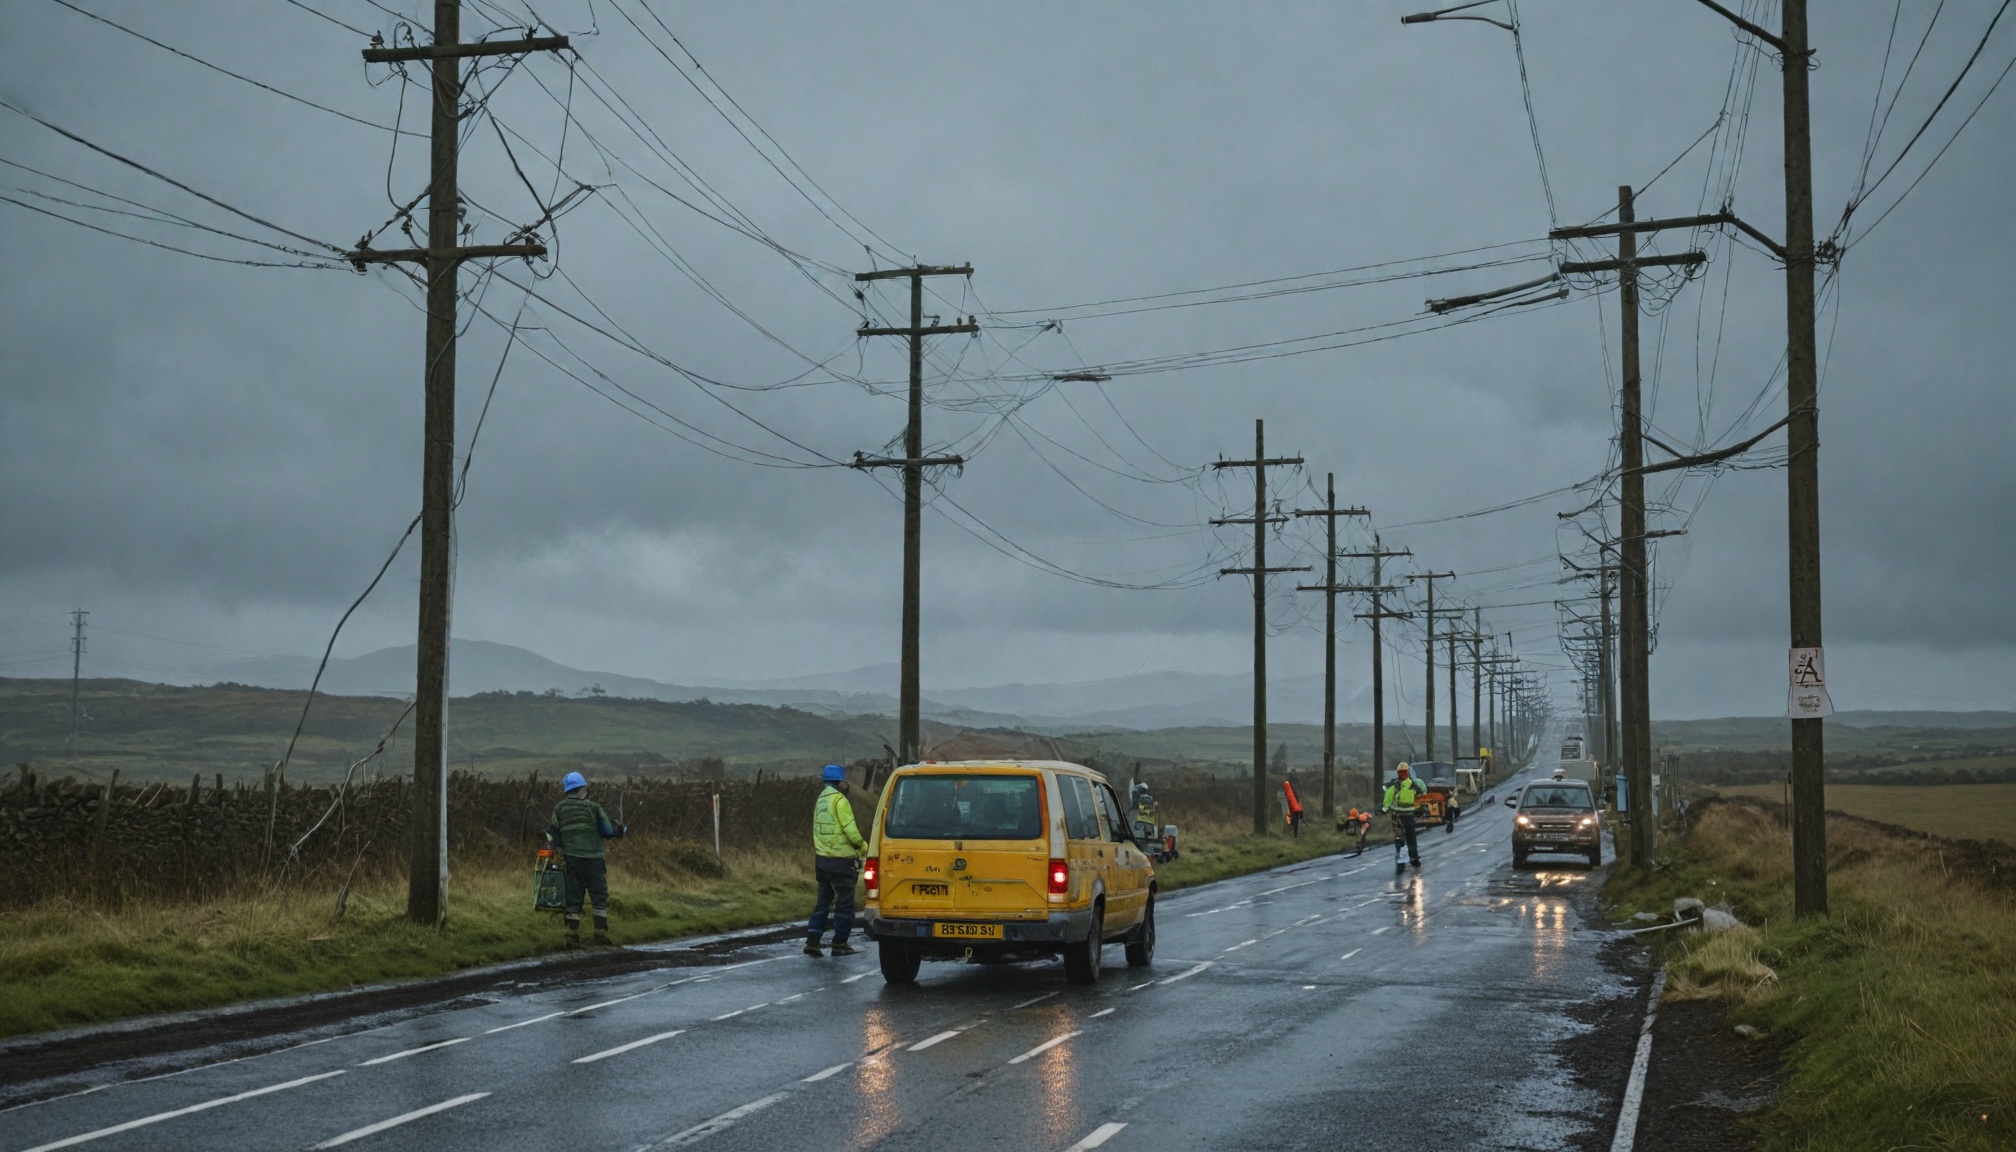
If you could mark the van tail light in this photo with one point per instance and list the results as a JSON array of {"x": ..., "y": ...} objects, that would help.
[
  {"x": 871, "y": 875},
  {"x": 1060, "y": 877}
]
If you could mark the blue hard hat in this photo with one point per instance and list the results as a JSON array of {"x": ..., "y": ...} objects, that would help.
[
  {"x": 572, "y": 781},
  {"x": 833, "y": 774}
]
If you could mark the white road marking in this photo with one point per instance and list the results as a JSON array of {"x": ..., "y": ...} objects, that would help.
[
  {"x": 412, "y": 1052},
  {"x": 523, "y": 1023},
  {"x": 940, "y": 1038},
  {"x": 860, "y": 976},
  {"x": 607, "y": 1003},
  {"x": 622, "y": 1048},
  {"x": 754, "y": 1007},
  {"x": 730, "y": 1015},
  {"x": 1033, "y": 1000},
  {"x": 726, "y": 1119},
  {"x": 827, "y": 1073},
  {"x": 1382, "y": 931},
  {"x": 1241, "y": 944},
  {"x": 1351, "y": 953},
  {"x": 129, "y": 1125},
  {"x": 1138, "y": 987},
  {"x": 1206, "y": 912},
  {"x": 1102, "y": 1012},
  {"x": 1308, "y": 987},
  {"x": 394, "y": 1122},
  {"x": 1634, "y": 1088},
  {"x": 1186, "y": 975},
  {"x": 1039, "y": 1049},
  {"x": 1098, "y": 1136}
]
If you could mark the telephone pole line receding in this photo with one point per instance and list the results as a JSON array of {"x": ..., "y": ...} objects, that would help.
[
  {"x": 77, "y": 619},
  {"x": 1330, "y": 512},
  {"x": 1259, "y": 571},
  {"x": 1378, "y": 613},
  {"x": 1428, "y": 647},
  {"x": 427, "y": 889},
  {"x": 913, "y": 462}
]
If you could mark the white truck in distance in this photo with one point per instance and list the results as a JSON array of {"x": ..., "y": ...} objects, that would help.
[{"x": 1576, "y": 765}]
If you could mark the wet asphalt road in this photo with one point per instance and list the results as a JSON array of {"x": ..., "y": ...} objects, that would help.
[{"x": 1324, "y": 1005}]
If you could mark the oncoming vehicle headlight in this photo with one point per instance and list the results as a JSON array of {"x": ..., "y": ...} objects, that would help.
[
  {"x": 1588, "y": 821},
  {"x": 1522, "y": 821}
]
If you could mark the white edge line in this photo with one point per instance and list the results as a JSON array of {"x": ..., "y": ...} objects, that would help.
[
  {"x": 394, "y": 1122},
  {"x": 827, "y": 1073},
  {"x": 129, "y": 1125},
  {"x": 412, "y": 1052},
  {"x": 622, "y": 1048},
  {"x": 929, "y": 1041},
  {"x": 1039, "y": 1049},
  {"x": 1096, "y": 1137},
  {"x": 1634, "y": 1089},
  {"x": 1032, "y": 1000},
  {"x": 523, "y": 1023},
  {"x": 708, "y": 1127}
]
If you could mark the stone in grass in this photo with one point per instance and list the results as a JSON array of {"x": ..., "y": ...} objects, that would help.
[{"x": 1749, "y": 1031}]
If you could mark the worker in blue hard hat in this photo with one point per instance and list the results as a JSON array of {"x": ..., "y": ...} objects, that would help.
[
  {"x": 579, "y": 827},
  {"x": 837, "y": 848}
]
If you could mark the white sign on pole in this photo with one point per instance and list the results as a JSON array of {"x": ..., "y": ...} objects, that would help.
[{"x": 1808, "y": 699}]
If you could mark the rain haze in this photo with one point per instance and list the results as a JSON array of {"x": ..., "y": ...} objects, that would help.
[{"x": 1235, "y": 212}]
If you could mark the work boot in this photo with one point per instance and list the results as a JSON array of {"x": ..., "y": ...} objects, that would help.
[
  {"x": 602, "y": 930},
  {"x": 573, "y": 939},
  {"x": 573, "y": 931},
  {"x": 812, "y": 946},
  {"x": 602, "y": 938},
  {"x": 1416, "y": 863},
  {"x": 842, "y": 948}
]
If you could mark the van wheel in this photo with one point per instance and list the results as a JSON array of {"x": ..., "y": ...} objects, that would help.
[
  {"x": 1596, "y": 856},
  {"x": 1518, "y": 858},
  {"x": 1081, "y": 961},
  {"x": 1141, "y": 949},
  {"x": 900, "y": 962}
]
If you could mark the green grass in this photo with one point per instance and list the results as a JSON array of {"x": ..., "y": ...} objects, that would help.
[
  {"x": 1218, "y": 857},
  {"x": 1898, "y": 1010}
]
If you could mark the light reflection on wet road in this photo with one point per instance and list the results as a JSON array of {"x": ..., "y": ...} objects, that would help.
[{"x": 1327, "y": 1004}]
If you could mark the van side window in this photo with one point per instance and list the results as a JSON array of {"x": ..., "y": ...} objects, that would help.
[
  {"x": 1109, "y": 812},
  {"x": 1081, "y": 821}
]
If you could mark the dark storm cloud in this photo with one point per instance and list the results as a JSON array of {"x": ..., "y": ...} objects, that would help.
[{"x": 223, "y": 454}]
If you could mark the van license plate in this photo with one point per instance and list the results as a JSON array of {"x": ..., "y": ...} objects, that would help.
[
  {"x": 967, "y": 931},
  {"x": 931, "y": 889}
]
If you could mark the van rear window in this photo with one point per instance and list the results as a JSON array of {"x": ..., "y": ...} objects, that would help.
[
  {"x": 1557, "y": 796},
  {"x": 976, "y": 807}
]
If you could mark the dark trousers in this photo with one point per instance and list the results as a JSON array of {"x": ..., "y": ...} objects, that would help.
[
  {"x": 587, "y": 875},
  {"x": 1403, "y": 831},
  {"x": 836, "y": 896}
]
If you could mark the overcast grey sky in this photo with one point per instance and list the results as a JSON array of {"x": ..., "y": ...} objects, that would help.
[{"x": 210, "y": 454}]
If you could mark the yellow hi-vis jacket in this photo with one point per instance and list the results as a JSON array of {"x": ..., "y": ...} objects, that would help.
[
  {"x": 1401, "y": 795},
  {"x": 834, "y": 832}
]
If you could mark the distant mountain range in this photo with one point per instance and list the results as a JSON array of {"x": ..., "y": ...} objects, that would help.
[{"x": 1147, "y": 701}]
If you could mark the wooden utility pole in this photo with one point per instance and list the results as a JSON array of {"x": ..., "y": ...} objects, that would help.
[
  {"x": 427, "y": 889},
  {"x": 77, "y": 619},
  {"x": 1259, "y": 571},
  {"x": 1428, "y": 648},
  {"x": 1378, "y": 613},
  {"x": 1802, "y": 444},
  {"x": 1330, "y": 512},
  {"x": 1476, "y": 678},
  {"x": 913, "y": 462}
]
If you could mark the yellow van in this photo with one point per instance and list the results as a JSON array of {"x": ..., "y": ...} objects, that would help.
[{"x": 998, "y": 860}]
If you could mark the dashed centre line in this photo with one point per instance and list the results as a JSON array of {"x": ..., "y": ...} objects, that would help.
[
  {"x": 523, "y": 1023},
  {"x": 1097, "y": 1137},
  {"x": 1033, "y": 1000},
  {"x": 1102, "y": 1012},
  {"x": 933, "y": 1041},
  {"x": 1351, "y": 953},
  {"x": 205, "y": 1106},
  {"x": 622, "y": 1048},
  {"x": 403, "y": 1118},
  {"x": 726, "y": 1119},
  {"x": 862, "y": 976},
  {"x": 413, "y": 1051},
  {"x": 827, "y": 1073},
  {"x": 1185, "y": 975},
  {"x": 1039, "y": 1049}
]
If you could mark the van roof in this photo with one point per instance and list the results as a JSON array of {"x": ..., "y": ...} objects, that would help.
[{"x": 1001, "y": 763}]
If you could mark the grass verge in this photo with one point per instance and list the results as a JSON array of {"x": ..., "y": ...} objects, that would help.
[
  {"x": 1960, "y": 811},
  {"x": 64, "y": 964},
  {"x": 1897, "y": 1010}
]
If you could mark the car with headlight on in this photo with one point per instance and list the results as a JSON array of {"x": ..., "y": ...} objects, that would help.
[
  {"x": 1556, "y": 816},
  {"x": 1003, "y": 860}
]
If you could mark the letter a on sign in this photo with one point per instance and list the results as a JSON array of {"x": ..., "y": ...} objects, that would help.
[{"x": 1808, "y": 699}]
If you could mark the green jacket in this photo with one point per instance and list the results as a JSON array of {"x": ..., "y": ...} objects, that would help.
[
  {"x": 580, "y": 825},
  {"x": 1401, "y": 795},
  {"x": 834, "y": 832}
]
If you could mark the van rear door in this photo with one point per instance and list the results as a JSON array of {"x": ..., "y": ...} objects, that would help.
[{"x": 965, "y": 844}]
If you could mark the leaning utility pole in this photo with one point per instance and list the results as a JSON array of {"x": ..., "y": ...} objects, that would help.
[
  {"x": 1330, "y": 512},
  {"x": 1378, "y": 613},
  {"x": 909, "y": 743},
  {"x": 77, "y": 619},
  {"x": 427, "y": 888},
  {"x": 1476, "y": 678},
  {"x": 1259, "y": 571},
  {"x": 1428, "y": 647},
  {"x": 1802, "y": 456}
]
